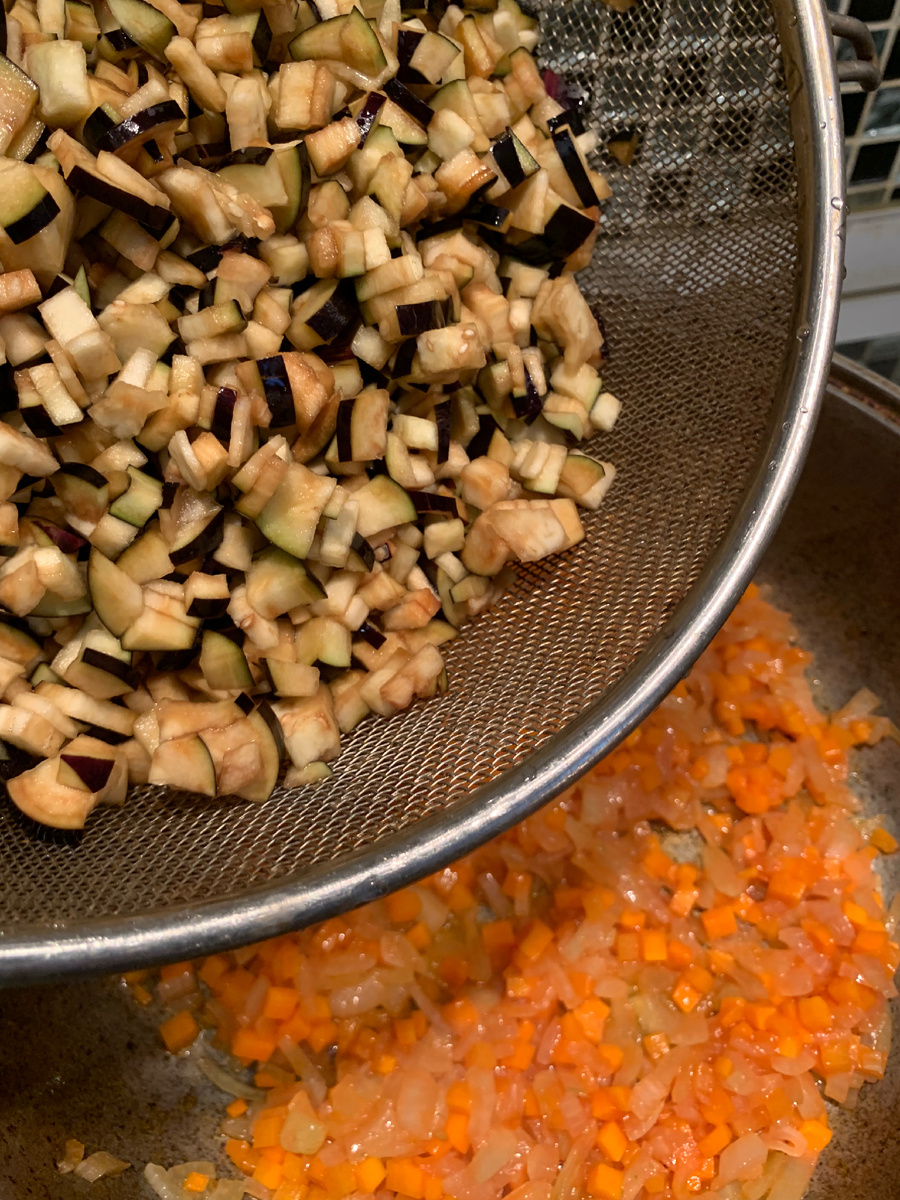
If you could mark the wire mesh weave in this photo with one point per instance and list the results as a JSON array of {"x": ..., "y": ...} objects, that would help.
[{"x": 694, "y": 278}]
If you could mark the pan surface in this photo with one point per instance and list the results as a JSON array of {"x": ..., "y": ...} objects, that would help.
[{"x": 79, "y": 1060}]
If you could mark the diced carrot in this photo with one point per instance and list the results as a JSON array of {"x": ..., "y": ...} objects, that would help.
[
  {"x": 498, "y": 935},
  {"x": 406, "y": 1177},
  {"x": 536, "y": 940},
  {"x": 654, "y": 946},
  {"x": 458, "y": 1131},
  {"x": 403, "y": 906},
  {"x": 883, "y": 841},
  {"x": 196, "y": 1182},
  {"x": 817, "y": 1135},
  {"x": 686, "y": 997},
  {"x": 237, "y": 1108},
  {"x": 612, "y": 1141},
  {"x": 267, "y": 1130},
  {"x": 715, "y": 1141},
  {"x": 280, "y": 1003},
  {"x": 247, "y": 1043},
  {"x": 815, "y": 1013},
  {"x": 179, "y": 1031},
  {"x": 591, "y": 1015},
  {"x": 719, "y": 922},
  {"x": 605, "y": 1182},
  {"x": 291, "y": 1189}
]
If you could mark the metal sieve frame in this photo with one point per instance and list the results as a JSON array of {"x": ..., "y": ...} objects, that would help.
[{"x": 114, "y": 944}]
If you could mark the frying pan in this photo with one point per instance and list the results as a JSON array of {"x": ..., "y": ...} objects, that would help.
[{"x": 81, "y": 1060}]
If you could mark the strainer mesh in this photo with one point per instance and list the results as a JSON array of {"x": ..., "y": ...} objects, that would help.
[{"x": 694, "y": 278}]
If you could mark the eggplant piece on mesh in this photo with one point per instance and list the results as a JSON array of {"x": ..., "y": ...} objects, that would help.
[
  {"x": 566, "y": 230},
  {"x": 434, "y": 502},
  {"x": 574, "y": 167}
]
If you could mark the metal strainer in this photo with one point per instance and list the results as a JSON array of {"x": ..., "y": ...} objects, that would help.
[{"x": 717, "y": 276}]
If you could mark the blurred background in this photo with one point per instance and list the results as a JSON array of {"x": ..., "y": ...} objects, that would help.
[{"x": 869, "y": 329}]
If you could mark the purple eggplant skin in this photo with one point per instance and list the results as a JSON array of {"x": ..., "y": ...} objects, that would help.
[
  {"x": 571, "y": 117},
  {"x": 507, "y": 160},
  {"x": 39, "y": 421},
  {"x": 491, "y": 215},
  {"x": 336, "y": 316},
  {"x": 417, "y": 318},
  {"x": 407, "y": 41},
  {"x": 443, "y": 417},
  {"x": 85, "y": 473},
  {"x": 382, "y": 552},
  {"x": 478, "y": 446},
  {"x": 368, "y": 114},
  {"x": 277, "y": 389},
  {"x": 529, "y": 405},
  {"x": 111, "y": 665},
  {"x": 363, "y": 550},
  {"x": 208, "y": 607},
  {"x": 565, "y": 148},
  {"x": 433, "y": 502},
  {"x": 223, "y": 413},
  {"x": 207, "y": 540},
  {"x": 98, "y": 123},
  {"x": 207, "y": 258},
  {"x": 94, "y": 773},
  {"x": 175, "y": 660},
  {"x": 33, "y": 222},
  {"x": 265, "y": 711},
  {"x": 65, "y": 539},
  {"x": 566, "y": 230},
  {"x": 153, "y": 216},
  {"x": 245, "y": 704},
  {"x": 373, "y": 636},
  {"x": 143, "y": 124},
  {"x": 344, "y": 419},
  {"x": 417, "y": 109}
]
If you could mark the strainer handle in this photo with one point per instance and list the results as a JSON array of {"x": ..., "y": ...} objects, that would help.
[{"x": 863, "y": 69}]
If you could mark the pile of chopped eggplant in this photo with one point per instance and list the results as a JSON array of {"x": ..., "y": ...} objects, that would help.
[{"x": 295, "y": 364}]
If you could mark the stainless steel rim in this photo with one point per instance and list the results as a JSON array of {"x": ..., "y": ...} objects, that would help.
[{"x": 117, "y": 944}]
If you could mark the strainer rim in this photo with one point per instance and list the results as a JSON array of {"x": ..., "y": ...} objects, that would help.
[{"x": 38, "y": 954}]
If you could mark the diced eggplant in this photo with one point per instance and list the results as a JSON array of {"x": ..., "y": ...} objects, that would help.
[
  {"x": 25, "y": 209},
  {"x": 155, "y": 121},
  {"x": 144, "y": 25},
  {"x": 278, "y": 391},
  {"x": 368, "y": 115},
  {"x": 197, "y": 543},
  {"x": 325, "y": 312},
  {"x": 404, "y": 98},
  {"x": 291, "y": 678},
  {"x": 566, "y": 230},
  {"x": 223, "y": 662},
  {"x": 141, "y": 501},
  {"x": 39, "y": 794},
  {"x": 574, "y": 167},
  {"x": 513, "y": 161},
  {"x": 278, "y": 582},
  {"x": 185, "y": 764},
  {"x": 383, "y": 504}
]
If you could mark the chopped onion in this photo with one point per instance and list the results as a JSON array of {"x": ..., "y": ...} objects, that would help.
[
  {"x": 99, "y": 1165},
  {"x": 225, "y": 1081},
  {"x": 73, "y": 1155},
  {"x": 493, "y": 1155}
]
